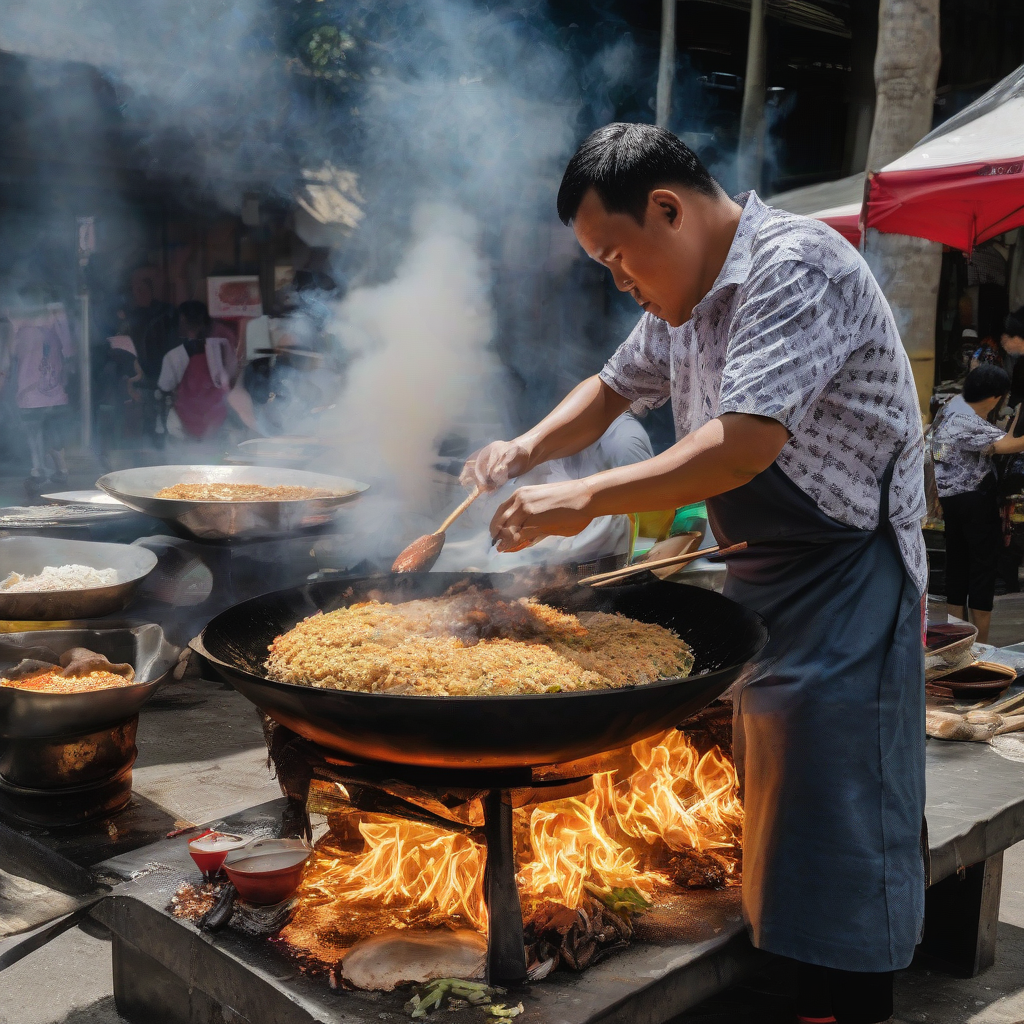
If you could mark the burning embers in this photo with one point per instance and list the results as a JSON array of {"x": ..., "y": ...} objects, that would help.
[{"x": 668, "y": 818}]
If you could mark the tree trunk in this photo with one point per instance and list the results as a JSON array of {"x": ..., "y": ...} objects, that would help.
[
  {"x": 751, "y": 148},
  {"x": 906, "y": 70},
  {"x": 908, "y": 270}
]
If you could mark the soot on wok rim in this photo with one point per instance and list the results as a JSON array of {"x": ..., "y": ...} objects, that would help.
[{"x": 500, "y": 731}]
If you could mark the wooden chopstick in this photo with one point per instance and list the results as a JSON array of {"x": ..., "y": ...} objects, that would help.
[{"x": 604, "y": 578}]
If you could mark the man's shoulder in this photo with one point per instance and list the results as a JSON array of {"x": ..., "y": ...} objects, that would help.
[
  {"x": 651, "y": 330},
  {"x": 789, "y": 243}
]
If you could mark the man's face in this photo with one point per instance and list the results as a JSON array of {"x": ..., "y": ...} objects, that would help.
[
  {"x": 651, "y": 261},
  {"x": 1013, "y": 344}
]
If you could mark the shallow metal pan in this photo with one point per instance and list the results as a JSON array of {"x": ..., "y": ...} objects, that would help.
[
  {"x": 484, "y": 732},
  {"x": 29, "y": 555},
  {"x": 25, "y": 714},
  {"x": 230, "y": 520},
  {"x": 89, "y": 497}
]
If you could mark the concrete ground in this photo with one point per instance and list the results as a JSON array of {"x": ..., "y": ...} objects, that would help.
[{"x": 215, "y": 733}]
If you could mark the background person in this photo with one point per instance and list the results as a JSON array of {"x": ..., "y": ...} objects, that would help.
[
  {"x": 1012, "y": 342},
  {"x": 198, "y": 372},
  {"x": 118, "y": 387},
  {"x": 41, "y": 351},
  {"x": 962, "y": 443},
  {"x": 622, "y": 444}
]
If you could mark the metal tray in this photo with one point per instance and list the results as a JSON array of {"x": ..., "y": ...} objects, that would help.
[
  {"x": 29, "y": 555},
  {"x": 26, "y": 714},
  {"x": 231, "y": 520},
  {"x": 90, "y": 497}
]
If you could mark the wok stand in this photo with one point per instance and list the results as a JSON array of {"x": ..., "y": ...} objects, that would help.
[
  {"x": 438, "y": 797},
  {"x": 506, "y": 955}
]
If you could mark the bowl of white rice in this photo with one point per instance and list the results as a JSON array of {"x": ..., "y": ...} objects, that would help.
[{"x": 46, "y": 579}]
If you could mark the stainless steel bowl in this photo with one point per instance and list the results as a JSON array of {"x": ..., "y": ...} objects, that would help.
[
  {"x": 231, "y": 520},
  {"x": 28, "y": 714},
  {"x": 29, "y": 555}
]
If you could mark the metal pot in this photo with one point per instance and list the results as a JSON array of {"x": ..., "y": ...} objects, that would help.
[{"x": 29, "y": 715}]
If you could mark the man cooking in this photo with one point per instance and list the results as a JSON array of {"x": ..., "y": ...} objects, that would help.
[{"x": 797, "y": 419}]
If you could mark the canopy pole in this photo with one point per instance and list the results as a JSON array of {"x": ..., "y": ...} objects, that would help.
[
  {"x": 666, "y": 64},
  {"x": 751, "y": 153}
]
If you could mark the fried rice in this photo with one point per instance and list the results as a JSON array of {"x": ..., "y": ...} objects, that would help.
[
  {"x": 53, "y": 681},
  {"x": 474, "y": 644},
  {"x": 242, "y": 492}
]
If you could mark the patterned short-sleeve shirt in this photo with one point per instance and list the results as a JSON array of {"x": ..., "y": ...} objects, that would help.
[
  {"x": 796, "y": 328},
  {"x": 961, "y": 443}
]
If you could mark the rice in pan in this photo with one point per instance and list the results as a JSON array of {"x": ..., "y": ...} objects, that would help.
[
  {"x": 54, "y": 681},
  {"x": 243, "y": 492},
  {"x": 474, "y": 644}
]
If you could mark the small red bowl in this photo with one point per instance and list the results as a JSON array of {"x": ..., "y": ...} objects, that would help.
[
  {"x": 209, "y": 849},
  {"x": 268, "y": 871}
]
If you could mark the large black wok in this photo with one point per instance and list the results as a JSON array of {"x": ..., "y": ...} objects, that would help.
[{"x": 484, "y": 732}]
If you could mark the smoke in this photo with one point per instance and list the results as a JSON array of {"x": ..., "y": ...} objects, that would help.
[
  {"x": 420, "y": 356},
  {"x": 200, "y": 83},
  {"x": 426, "y": 138}
]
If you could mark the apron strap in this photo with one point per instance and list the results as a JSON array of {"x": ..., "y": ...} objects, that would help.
[{"x": 883, "y": 487}]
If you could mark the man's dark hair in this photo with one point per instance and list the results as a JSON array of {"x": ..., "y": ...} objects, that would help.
[
  {"x": 624, "y": 163},
  {"x": 986, "y": 381},
  {"x": 1013, "y": 325}
]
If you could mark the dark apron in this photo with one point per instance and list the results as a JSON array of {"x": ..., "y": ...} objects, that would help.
[{"x": 828, "y": 731}]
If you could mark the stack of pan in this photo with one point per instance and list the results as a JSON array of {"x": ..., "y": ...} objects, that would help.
[{"x": 65, "y": 758}]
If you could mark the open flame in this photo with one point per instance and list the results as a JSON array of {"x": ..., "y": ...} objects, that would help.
[
  {"x": 675, "y": 796},
  {"x": 419, "y": 867},
  {"x": 621, "y": 835},
  {"x": 425, "y": 873}
]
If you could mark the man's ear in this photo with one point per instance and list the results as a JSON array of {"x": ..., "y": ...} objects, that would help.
[{"x": 666, "y": 205}]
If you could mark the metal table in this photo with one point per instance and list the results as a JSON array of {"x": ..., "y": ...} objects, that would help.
[
  {"x": 975, "y": 810},
  {"x": 168, "y": 970}
]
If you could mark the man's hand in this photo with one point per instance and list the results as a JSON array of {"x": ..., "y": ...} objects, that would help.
[
  {"x": 545, "y": 510},
  {"x": 725, "y": 453},
  {"x": 494, "y": 465}
]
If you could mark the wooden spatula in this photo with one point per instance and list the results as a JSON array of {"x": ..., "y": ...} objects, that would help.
[{"x": 423, "y": 552}]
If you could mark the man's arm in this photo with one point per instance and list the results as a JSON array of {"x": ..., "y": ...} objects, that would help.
[
  {"x": 574, "y": 424},
  {"x": 724, "y": 454},
  {"x": 1008, "y": 444}
]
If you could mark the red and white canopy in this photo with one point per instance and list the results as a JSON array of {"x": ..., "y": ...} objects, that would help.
[
  {"x": 963, "y": 183},
  {"x": 845, "y": 219},
  {"x": 838, "y": 203}
]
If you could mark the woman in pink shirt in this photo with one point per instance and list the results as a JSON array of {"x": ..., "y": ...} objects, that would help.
[{"x": 41, "y": 351}]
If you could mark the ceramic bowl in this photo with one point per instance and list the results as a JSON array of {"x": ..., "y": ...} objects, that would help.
[
  {"x": 209, "y": 849},
  {"x": 268, "y": 871}
]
